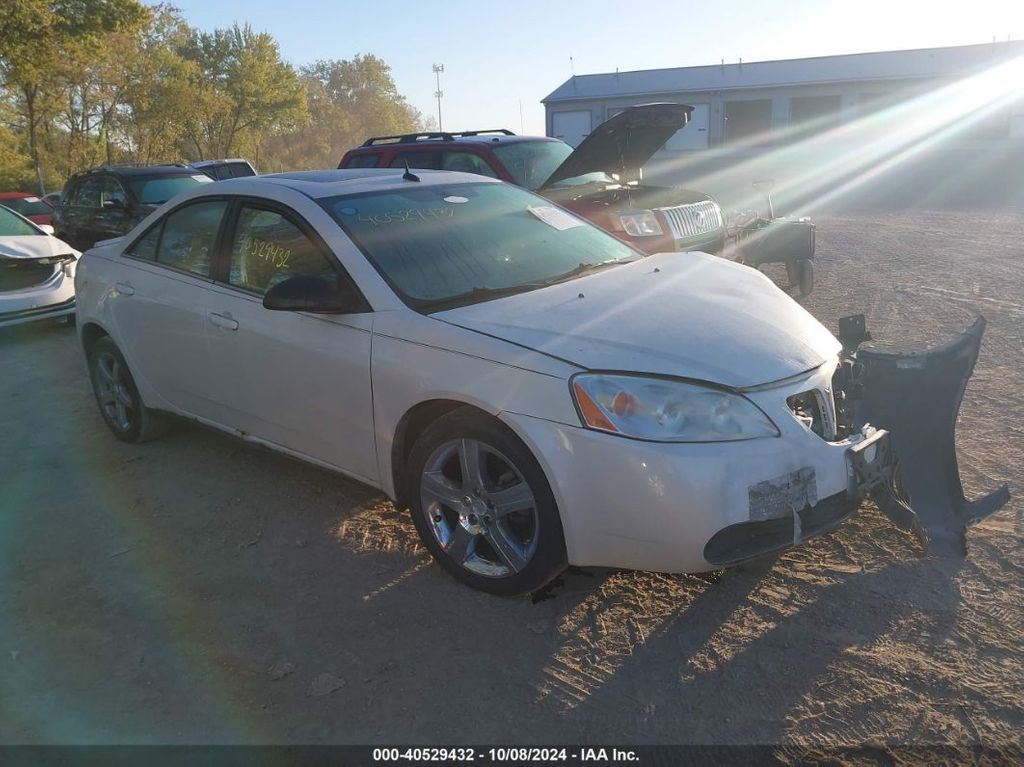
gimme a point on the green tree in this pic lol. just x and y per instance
(348, 101)
(39, 39)
(243, 92)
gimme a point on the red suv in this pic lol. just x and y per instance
(599, 180)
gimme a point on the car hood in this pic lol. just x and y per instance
(34, 246)
(624, 142)
(687, 315)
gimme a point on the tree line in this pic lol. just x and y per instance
(89, 82)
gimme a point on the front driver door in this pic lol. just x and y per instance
(301, 381)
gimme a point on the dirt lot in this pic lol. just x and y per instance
(198, 590)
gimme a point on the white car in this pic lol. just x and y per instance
(37, 272)
(534, 390)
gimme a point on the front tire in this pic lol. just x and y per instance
(118, 397)
(482, 505)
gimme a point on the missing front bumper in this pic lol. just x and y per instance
(749, 540)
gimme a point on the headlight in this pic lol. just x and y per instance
(640, 223)
(667, 411)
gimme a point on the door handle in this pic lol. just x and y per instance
(125, 288)
(224, 321)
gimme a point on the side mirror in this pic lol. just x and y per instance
(46, 228)
(114, 203)
(317, 295)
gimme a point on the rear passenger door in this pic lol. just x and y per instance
(161, 302)
(78, 218)
(300, 381)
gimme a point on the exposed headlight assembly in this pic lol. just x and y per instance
(640, 223)
(663, 410)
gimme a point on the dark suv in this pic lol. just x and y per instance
(102, 203)
(600, 180)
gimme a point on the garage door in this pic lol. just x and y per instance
(695, 134)
(571, 127)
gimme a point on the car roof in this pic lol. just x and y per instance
(139, 170)
(488, 139)
(223, 161)
(16, 195)
(318, 184)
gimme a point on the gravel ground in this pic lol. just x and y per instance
(199, 590)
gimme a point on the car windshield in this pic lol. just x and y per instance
(441, 246)
(531, 163)
(27, 206)
(15, 226)
(157, 190)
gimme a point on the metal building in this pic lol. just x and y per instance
(757, 112)
(736, 102)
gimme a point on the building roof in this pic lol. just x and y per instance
(855, 67)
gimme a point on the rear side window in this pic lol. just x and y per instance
(423, 160)
(363, 161)
(185, 239)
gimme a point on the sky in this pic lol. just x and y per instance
(500, 59)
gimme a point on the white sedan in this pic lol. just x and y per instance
(536, 392)
(37, 272)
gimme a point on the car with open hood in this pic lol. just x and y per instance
(36, 272)
(535, 391)
(599, 180)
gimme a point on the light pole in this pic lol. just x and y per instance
(438, 69)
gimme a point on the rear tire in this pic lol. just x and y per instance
(482, 505)
(118, 397)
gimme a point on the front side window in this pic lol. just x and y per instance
(112, 191)
(448, 245)
(159, 189)
(466, 162)
(268, 248)
(89, 192)
(185, 239)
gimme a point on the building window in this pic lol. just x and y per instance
(748, 122)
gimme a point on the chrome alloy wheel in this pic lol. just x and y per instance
(114, 391)
(479, 507)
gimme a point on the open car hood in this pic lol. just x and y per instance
(624, 142)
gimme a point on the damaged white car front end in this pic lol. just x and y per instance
(37, 272)
(710, 429)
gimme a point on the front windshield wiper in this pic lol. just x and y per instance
(583, 269)
(476, 295)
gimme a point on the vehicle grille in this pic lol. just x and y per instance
(688, 221)
(18, 274)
